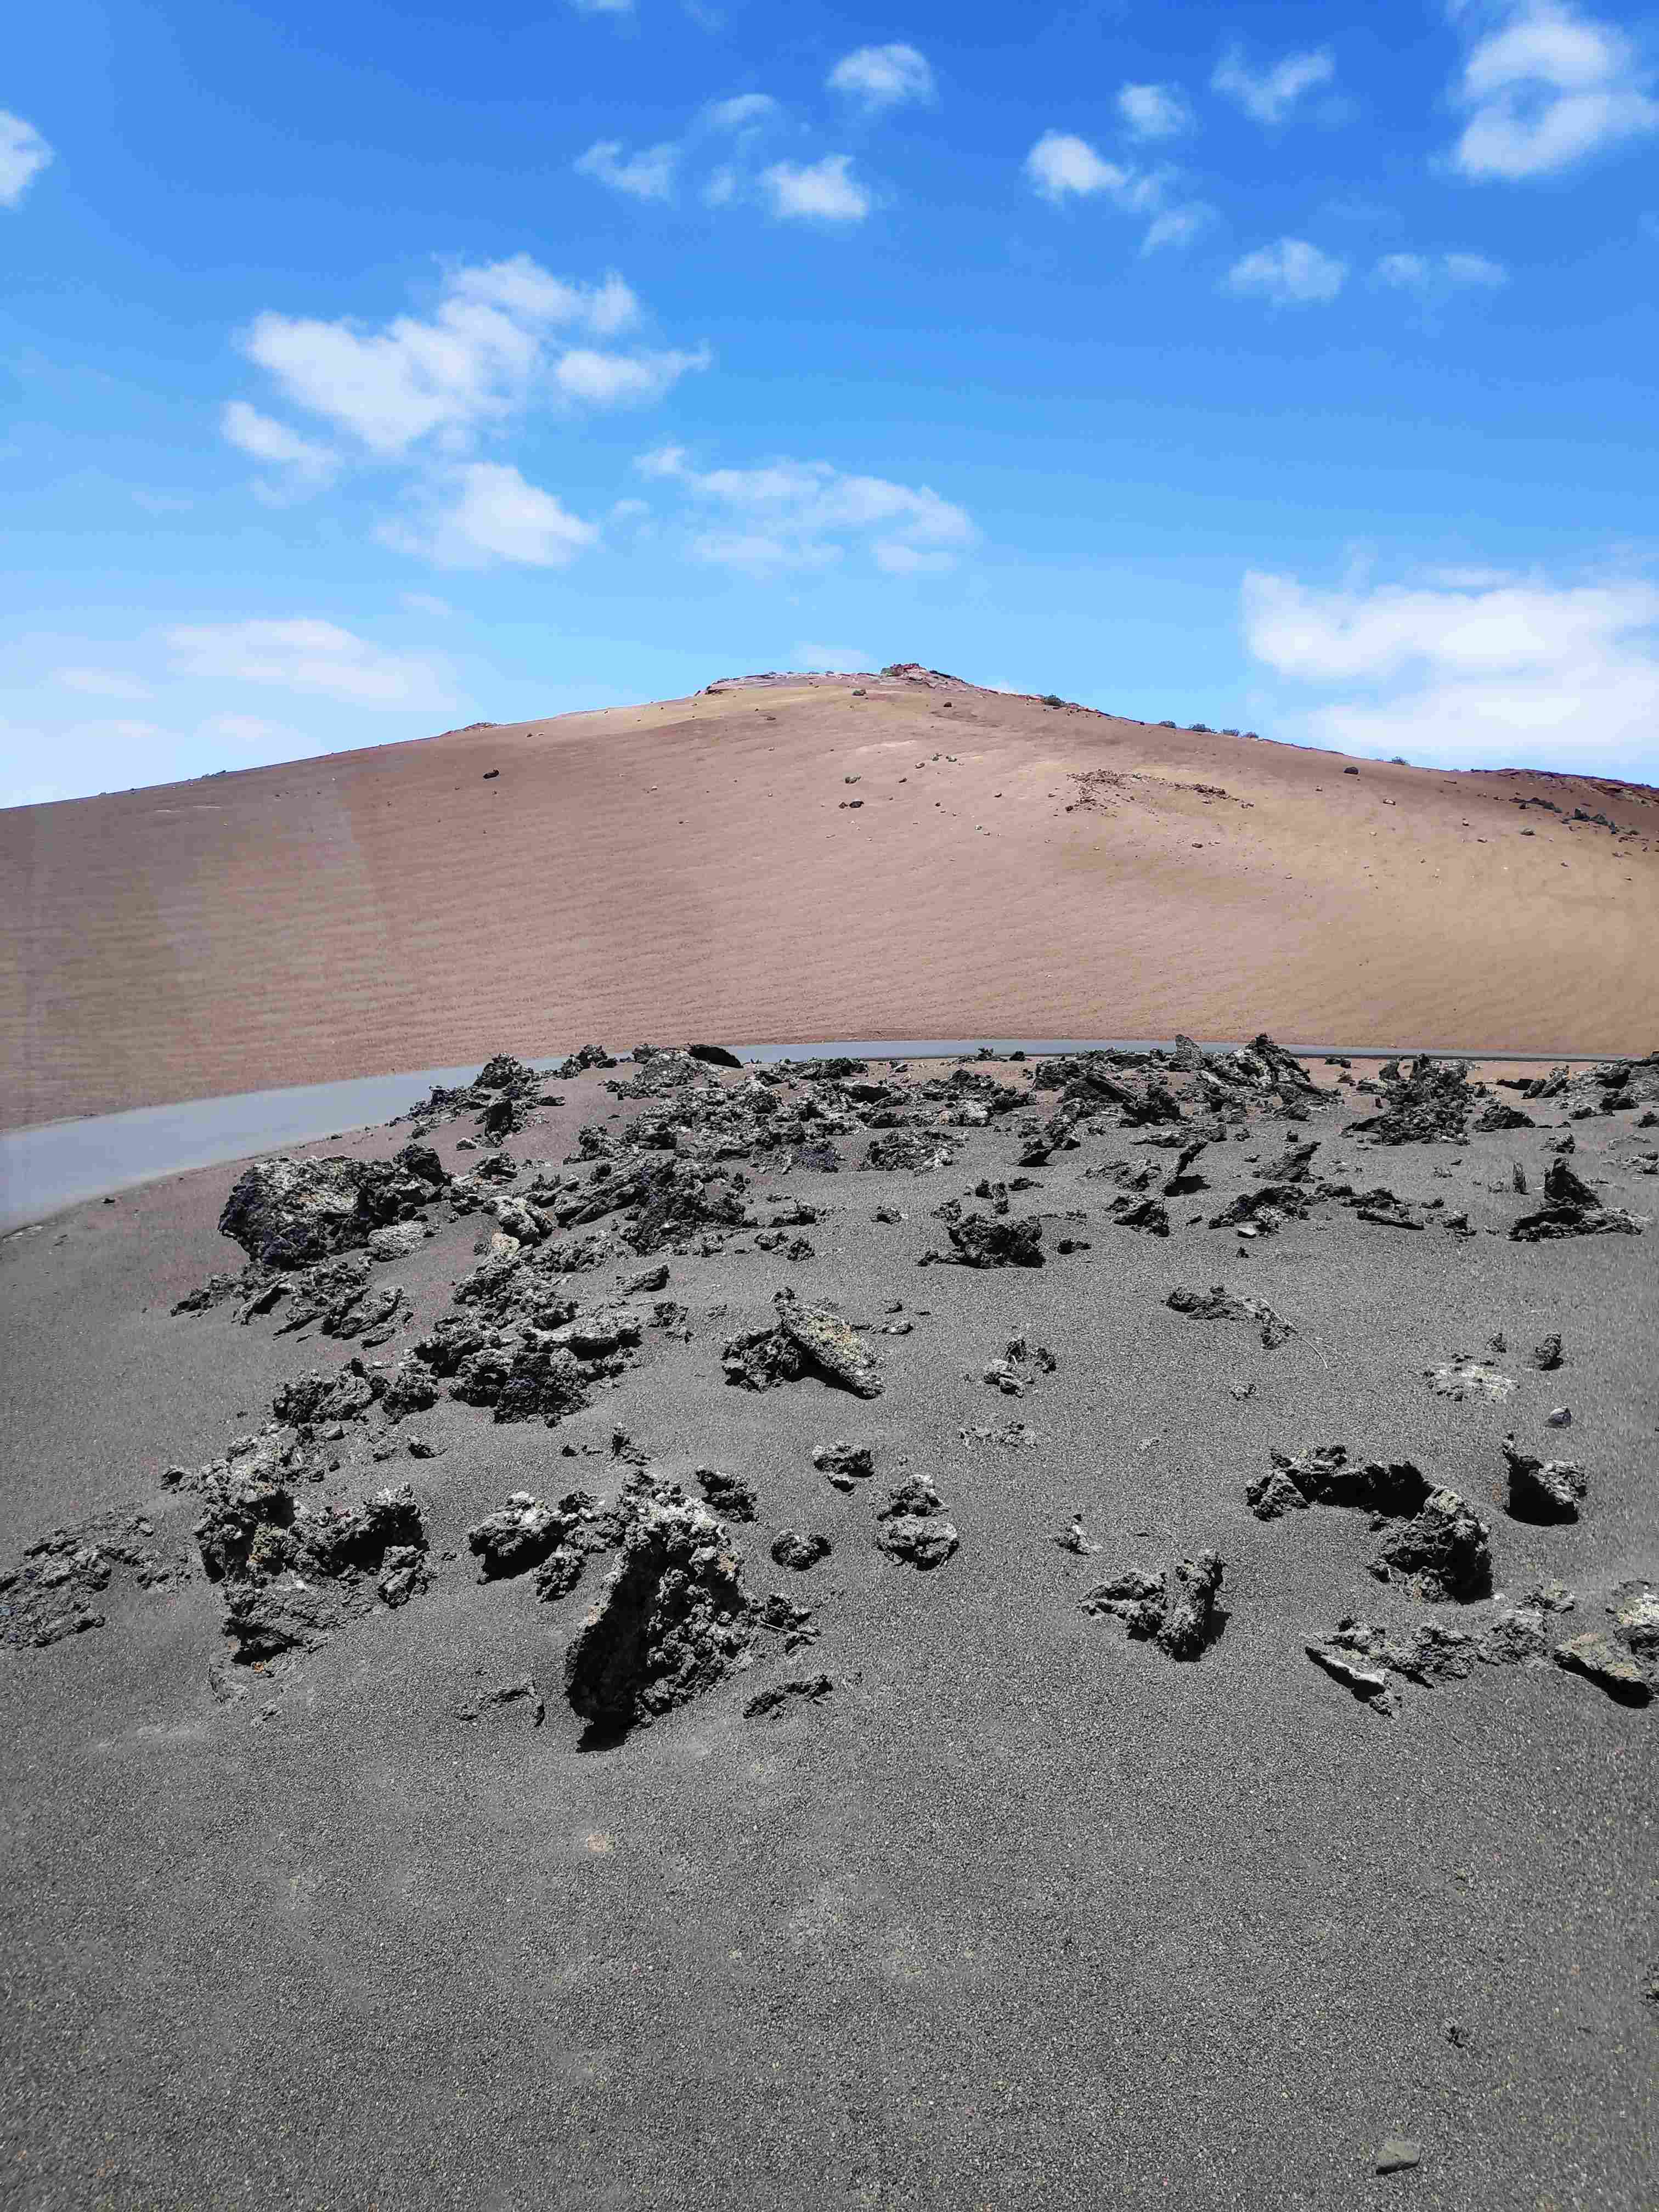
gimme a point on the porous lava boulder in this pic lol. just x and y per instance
(1326, 1475)
(292, 1574)
(672, 1617)
(1542, 1489)
(50, 1592)
(1182, 1620)
(287, 1212)
(806, 1340)
(912, 1525)
(982, 1241)
(1215, 1304)
(521, 1535)
(1444, 1550)
(792, 1548)
(1433, 1101)
(1572, 1208)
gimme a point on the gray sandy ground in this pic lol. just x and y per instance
(1023, 1913)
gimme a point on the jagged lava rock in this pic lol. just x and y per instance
(1445, 1550)
(1542, 1489)
(671, 1619)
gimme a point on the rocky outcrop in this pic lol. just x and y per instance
(1572, 1208)
(53, 1590)
(1215, 1304)
(1433, 1100)
(982, 1241)
(912, 1525)
(1325, 1475)
(806, 1340)
(670, 1620)
(1542, 1489)
(287, 1214)
(1180, 1613)
(1444, 1550)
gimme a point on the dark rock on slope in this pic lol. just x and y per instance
(671, 1619)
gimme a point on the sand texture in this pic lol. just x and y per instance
(793, 860)
(633, 1849)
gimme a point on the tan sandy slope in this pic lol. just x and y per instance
(698, 868)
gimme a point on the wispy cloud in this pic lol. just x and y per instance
(101, 683)
(1268, 96)
(275, 444)
(24, 154)
(1154, 111)
(880, 77)
(646, 176)
(1499, 669)
(831, 660)
(819, 192)
(1061, 166)
(305, 655)
(1291, 273)
(1546, 87)
(1432, 274)
(806, 514)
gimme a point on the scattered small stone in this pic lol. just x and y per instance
(911, 1527)
(502, 1695)
(1559, 1417)
(727, 1494)
(1464, 1378)
(1549, 1355)
(844, 1463)
(808, 1689)
(1398, 2155)
(1019, 1367)
(1073, 1538)
(1215, 1304)
(792, 1549)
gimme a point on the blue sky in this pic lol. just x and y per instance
(367, 371)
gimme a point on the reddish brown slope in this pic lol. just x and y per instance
(692, 868)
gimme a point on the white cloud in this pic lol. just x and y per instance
(747, 112)
(1437, 273)
(1154, 111)
(1290, 273)
(825, 191)
(1177, 225)
(836, 659)
(102, 682)
(426, 603)
(1059, 163)
(24, 154)
(622, 379)
(487, 512)
(304, 655)
(1268, 96)
(274, 442)
(603, 7)
(1548, 87)
(804, 515)
(1497, 670)
(646, 176)
(883, 76)
(477, 362)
